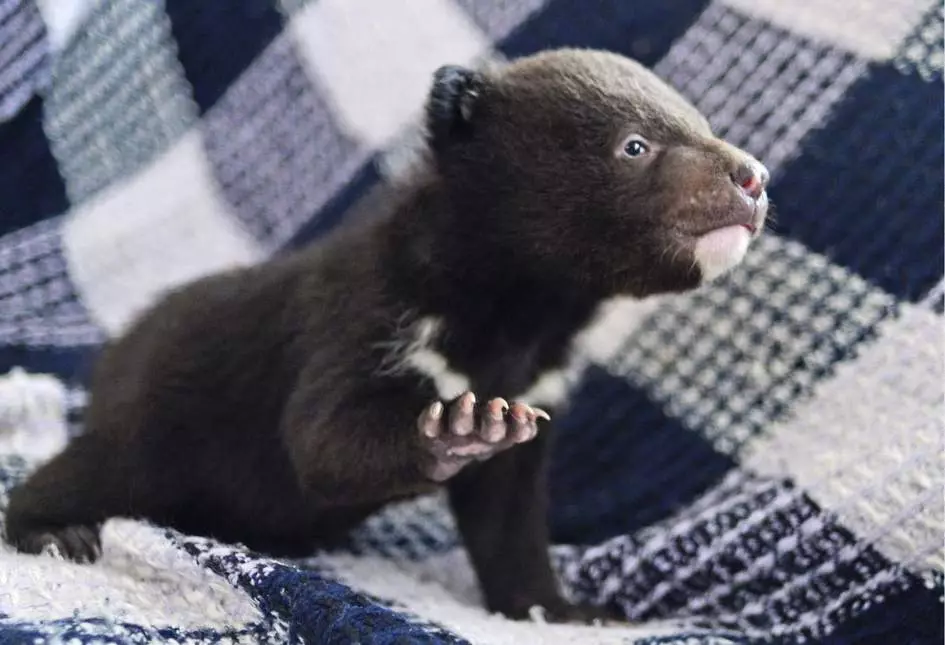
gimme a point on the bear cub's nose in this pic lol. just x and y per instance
(752, 177)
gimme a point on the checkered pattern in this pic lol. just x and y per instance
(763, 459)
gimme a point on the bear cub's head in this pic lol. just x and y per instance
(583, 165)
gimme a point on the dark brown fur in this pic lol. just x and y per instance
(248, 406)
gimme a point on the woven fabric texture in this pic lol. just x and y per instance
(761, 461)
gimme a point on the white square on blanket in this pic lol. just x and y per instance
(873, 29)
(375, 58)
(63, 19)
(868, 442)
(161, 228)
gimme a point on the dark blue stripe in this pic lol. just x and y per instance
(868, 189)
(31, 188)
(316, 608)
(76, 630)
(70, 364)
(914, 617)
(620, 463)
(216, 41)
(642, 30)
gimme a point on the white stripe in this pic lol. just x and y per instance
(63, 18)
(412, 347)
(615, 320)
(870, 28)
(449, 383)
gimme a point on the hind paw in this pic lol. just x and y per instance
(77, 543)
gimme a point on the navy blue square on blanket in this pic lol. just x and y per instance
(642, 30)
(31, 188)
(216, 41)
(621, 463)
(868, 190)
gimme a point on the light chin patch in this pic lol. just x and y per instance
(721, 250)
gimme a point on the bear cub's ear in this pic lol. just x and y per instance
(451, 106)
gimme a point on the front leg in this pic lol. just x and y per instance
(501, 510)
(355, 446)
(366, 447)
(386, 440)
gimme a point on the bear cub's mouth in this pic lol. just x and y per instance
(750, 217)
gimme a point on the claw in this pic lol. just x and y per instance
(493, 427)
(467, 403)
(429, 421)
(519, 412)
(523, 423)
(457, 434)
(496, 413)
(462, 421)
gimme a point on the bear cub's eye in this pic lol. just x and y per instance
(636, 147)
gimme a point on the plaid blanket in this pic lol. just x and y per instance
(762, 462)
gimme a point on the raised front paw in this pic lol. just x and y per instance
(461, 432)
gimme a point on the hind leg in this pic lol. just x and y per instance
(63, 503)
